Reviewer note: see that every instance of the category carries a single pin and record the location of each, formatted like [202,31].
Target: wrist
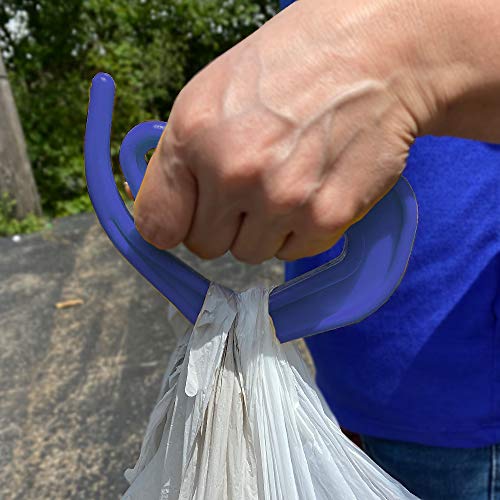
[459,70]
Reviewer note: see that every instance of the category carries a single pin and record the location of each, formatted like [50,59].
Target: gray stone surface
[77,384]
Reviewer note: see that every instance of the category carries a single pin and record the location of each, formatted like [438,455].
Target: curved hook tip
[102,79]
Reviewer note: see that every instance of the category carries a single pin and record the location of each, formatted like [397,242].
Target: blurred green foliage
[53,48]
[9,225]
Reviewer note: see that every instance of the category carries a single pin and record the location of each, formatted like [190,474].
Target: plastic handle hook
[174,279]
[336,294]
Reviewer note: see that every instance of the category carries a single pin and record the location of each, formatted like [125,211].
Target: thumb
[165,204]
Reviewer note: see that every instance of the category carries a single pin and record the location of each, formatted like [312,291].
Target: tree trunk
[16,177]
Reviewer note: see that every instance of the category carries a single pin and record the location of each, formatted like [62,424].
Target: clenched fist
[284,141]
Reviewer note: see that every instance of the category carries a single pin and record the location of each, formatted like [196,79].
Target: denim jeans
[436,473]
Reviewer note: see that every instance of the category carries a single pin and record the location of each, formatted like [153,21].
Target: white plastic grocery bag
[240,417]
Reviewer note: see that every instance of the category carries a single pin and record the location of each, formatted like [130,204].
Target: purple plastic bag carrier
[338,293]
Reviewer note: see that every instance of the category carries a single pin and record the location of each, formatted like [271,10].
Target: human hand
[128,191]
[288,138]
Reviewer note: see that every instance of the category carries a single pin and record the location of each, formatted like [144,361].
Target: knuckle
[332,220]
[283,202]
[238,172]
[346,214]
[187,117]
[240,162]
[186,125]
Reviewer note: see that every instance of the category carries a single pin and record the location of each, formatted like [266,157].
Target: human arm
[284,141]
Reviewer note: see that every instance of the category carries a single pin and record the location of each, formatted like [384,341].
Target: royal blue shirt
[425,367]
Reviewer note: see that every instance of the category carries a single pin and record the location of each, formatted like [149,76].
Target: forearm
[441,57]
[466,80]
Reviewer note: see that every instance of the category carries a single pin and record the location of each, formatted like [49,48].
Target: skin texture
[281,143]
